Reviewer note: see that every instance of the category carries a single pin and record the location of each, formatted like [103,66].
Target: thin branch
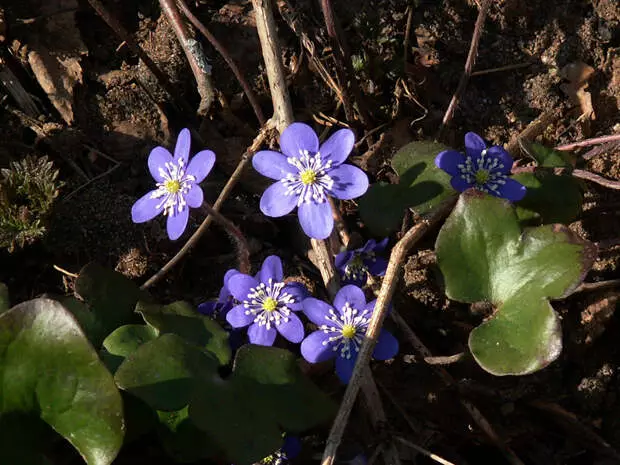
[589,287]
[596,179]
[469,64]
[270,46]
[502,68]
[193,240]
[399,253]
[423,451]
[407,34]
[243,249]
[217,45]
[445,360]
[120,31]
[588,142]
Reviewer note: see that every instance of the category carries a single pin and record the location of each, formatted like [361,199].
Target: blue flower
[354,266]
[267,304]
[307,175]
[176,187]
[486,169]
[342,329]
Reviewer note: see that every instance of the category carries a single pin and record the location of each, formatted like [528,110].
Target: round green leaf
[124,341]
[48,368]
[182,319]
[382,208]
[182,440]
[4,298]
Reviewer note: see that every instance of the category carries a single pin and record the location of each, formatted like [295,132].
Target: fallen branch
[588,142]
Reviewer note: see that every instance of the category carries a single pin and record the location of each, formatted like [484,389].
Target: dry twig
[588,142]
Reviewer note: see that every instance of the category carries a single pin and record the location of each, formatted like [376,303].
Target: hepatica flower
[486,169]
[224,302]
[354,266]
[176,185]
[342,329]
[266,304]
[307,175]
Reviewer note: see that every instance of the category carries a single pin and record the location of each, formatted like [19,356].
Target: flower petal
[240,285]
[201,165]
[351,294]
[344,367]
[291,446]
[237,318]
[209,308]
[316,347]
[350,182]
[504,158]
[459,184]
[338,147]
[474,144]
[194,197]
[342,260]
[158,158]
[316,219]
[225,292]
[376,266]
[382,245]
[260,335]
[299,292]
[387,346]
[293,329]
[275,202]
[512,190]
[298,137]
[271,269]
[181,149]
[272,164]
[177,223]
[316,310]
[448,160]
[145,208]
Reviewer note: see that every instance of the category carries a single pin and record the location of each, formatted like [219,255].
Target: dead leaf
[577,75]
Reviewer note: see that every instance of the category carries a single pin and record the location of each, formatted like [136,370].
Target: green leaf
[182,440]
[426,185]
[124,341]
[547,157]
[382,208]
[182,319]
[48,368]
[550,198]
[485,256]
[4,298]
[111,299]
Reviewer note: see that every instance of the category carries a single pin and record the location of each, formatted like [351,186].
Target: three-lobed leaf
[485,256]
[48,369]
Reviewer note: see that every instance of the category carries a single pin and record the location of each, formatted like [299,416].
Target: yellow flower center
[348,331]
[270,304]
[172,186]
[482,176]
[308,177]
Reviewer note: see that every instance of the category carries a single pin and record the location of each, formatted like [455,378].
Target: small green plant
[28,189]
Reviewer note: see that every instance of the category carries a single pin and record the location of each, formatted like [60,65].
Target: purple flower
[342,328]
[307,175]
[224,302]
[354,266]
[177,186]
[267,304]
[486,169]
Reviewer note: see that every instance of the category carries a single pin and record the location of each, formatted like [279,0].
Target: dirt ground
[99,130]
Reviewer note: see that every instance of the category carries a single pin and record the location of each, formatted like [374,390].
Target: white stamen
[173,202]
[350,317]
[492,165]
[316,190]
[254,304]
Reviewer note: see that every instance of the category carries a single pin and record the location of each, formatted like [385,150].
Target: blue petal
[194,197]
[316,348]
[351,294]
[316,310]
[342,260]
[448,160]
[291,446]
[297,138]
[237,318]
[181,150]
[209,308]
[292,330]
[316,219]
[512,190]
[158,158]
[474,144]
[145,208]
[338,147]
[504,158]
[271,269]
[260,335]
[382,245]
[376,266]
[299,292]
[224,292]
[344,368]
[177,223]
[459,184]
[387,346]
[275,202]
[240,285]
[201,165]
[350,182]
[272,164]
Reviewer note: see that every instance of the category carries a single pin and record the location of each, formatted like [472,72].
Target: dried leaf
[577,75]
